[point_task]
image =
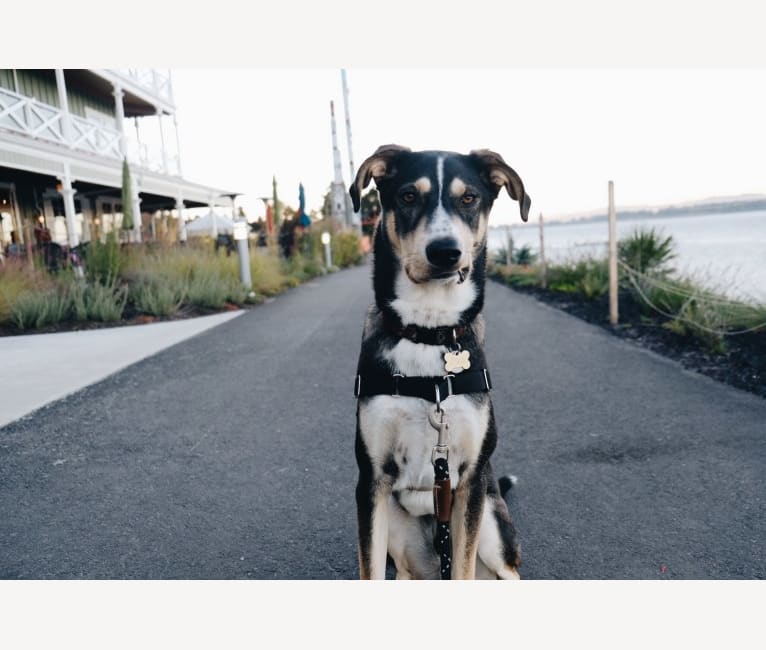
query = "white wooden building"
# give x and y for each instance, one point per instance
(63, 137)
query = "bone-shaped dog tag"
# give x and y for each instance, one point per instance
(455, 362)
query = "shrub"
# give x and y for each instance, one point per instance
(346, 250)
(267, 272)
(105, 262)
(96, 301)
(17, 279)
(157, 297)
(212, 291)
(588, 276)
(646, 250)
(37, 309)
(524, 255)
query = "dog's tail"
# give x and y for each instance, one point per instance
(506, 483)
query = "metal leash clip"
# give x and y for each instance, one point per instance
(441, 449)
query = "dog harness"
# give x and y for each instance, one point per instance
(432, 389)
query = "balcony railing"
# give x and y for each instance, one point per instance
(47, 123)
(155, 81)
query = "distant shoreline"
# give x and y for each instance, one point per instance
(671, 211)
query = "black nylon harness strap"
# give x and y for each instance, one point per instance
(473, 381)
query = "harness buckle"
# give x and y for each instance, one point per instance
(396, 383)
(449, 378)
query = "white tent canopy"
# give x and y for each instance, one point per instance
(211, 224)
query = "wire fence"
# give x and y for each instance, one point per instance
(690, 297)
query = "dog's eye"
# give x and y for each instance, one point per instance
(409, 197)
(468, 199)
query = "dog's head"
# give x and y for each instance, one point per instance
(436, 206)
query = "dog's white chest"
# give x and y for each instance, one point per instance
(398, 436)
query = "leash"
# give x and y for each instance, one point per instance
(442, 492)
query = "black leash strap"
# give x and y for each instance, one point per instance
(443, 511)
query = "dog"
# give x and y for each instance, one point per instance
(421, 357)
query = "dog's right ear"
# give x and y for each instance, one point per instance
(376, 166)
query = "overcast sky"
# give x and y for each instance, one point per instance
(662, 135)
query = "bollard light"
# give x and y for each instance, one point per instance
(327, 252)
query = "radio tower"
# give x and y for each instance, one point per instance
(356, 218)
(338, 195)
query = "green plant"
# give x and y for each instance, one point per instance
(157, 297)
(37, 309)
(105, 302)
(105, 261)
(17, 279)
(646, 250)
(213, 291)
(346, 249)
(524, 255)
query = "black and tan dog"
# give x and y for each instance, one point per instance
(425, 334)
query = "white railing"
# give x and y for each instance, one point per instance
(95, 138)
(30, 117)
(151, 79)
(150, 158)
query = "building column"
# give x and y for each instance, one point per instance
(181, 223)
(178, 144)
(119, 112)
(66, 119)
(214, 227)
(68, 192)
(162, 142)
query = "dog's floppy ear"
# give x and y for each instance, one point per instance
(500, 174)
(376, 166)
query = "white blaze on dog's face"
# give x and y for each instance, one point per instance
(436, 206)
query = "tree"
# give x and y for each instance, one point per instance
(127, 198)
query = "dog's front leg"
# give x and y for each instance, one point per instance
(372, 513)
(467, 507)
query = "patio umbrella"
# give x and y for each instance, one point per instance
(304, 219)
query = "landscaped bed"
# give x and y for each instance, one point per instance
(704, 330)
(132, 284)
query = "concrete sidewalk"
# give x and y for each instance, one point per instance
(40, 368)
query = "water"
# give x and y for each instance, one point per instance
(725, 252)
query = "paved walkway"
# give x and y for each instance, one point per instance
(230, 455)
(40, 368)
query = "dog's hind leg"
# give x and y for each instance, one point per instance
(372, 515)
(498, 550)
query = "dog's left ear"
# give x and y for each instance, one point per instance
(376, 166)
(500, 174)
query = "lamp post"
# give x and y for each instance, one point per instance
(327, 252)
(240, 236)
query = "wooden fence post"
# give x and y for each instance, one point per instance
(508, 247)
(613, 307)
(543, 279)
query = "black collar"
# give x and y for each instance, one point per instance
(428, 335)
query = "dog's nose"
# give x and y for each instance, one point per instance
(443, 253)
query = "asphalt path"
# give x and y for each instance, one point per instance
(230, 455)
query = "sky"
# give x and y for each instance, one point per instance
(662, 136)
